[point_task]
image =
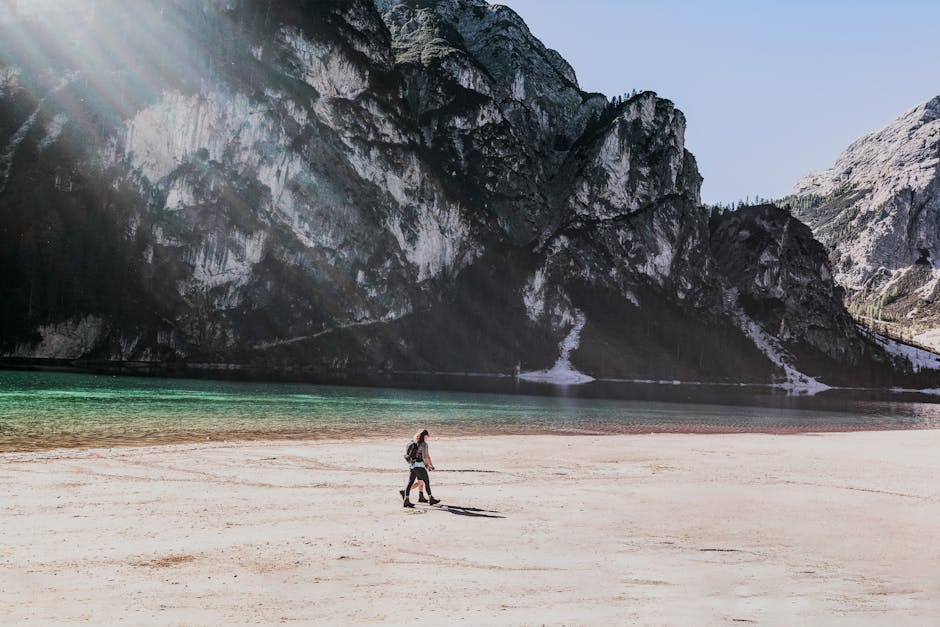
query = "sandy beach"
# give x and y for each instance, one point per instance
(836, 528)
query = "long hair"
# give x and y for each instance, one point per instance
(419, 436)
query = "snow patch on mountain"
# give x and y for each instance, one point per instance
(930, 391)
(563, 373)
(930, 339)
(918, 358)
(797, 382)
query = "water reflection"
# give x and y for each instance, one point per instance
(43, 410)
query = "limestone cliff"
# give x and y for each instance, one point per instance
(332, 188)
(877, 210)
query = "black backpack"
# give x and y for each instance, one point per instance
(411, 452)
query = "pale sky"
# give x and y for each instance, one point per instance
(771, 90)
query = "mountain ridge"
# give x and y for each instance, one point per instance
(324, 189)
(877, 209)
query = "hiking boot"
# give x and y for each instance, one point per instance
(421, 499)
(402, 492)
(434, 501)
(407, 503)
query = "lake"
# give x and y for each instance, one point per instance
(41, 410)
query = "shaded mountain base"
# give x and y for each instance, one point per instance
(662, 341)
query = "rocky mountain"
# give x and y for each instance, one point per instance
(334, 189)
(878, 212)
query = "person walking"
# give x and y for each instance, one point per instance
(419, 462)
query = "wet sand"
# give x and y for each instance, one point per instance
(836, 528)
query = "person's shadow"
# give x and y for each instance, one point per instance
(475, 512)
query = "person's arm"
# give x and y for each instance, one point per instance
(427, 458)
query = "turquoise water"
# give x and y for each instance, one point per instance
(45, 410)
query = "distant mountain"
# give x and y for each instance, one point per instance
(878, 212)
(335, 189)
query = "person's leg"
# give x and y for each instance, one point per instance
(420, 487)
(423, 476)
(411, 479)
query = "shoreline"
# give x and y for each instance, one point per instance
(602, 388)
(261, 438)
(827, 528)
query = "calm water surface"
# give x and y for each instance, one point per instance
(40, 410)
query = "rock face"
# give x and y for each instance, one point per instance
(783, 279)
(499, 108)
(878, 212)
(339, 187)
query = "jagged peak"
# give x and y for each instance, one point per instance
(384, 5)
(918, 115)
(932, 109)
(900, 153)
(482, 24)
(645, 106)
